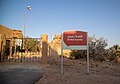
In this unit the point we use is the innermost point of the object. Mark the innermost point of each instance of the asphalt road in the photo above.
(19, 75)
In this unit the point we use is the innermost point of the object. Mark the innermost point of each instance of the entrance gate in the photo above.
(21, 50)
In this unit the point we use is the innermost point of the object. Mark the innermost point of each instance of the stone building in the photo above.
(8, 37)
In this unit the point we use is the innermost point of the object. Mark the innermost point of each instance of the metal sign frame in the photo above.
(85, 47)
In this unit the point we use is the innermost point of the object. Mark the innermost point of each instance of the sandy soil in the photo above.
(75, 73)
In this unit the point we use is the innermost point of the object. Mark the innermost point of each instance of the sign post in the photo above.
(62, 57)
(74, 40)
(88, 70)
(0, 45)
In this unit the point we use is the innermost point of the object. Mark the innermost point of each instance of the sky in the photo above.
(97, 17)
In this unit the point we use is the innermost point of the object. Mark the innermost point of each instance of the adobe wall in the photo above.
(10, 33)
(6, 32)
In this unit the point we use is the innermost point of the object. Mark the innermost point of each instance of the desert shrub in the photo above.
(114, 52)
(77, 54)
(97, 50)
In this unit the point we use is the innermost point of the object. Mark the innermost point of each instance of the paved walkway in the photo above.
(19, 73)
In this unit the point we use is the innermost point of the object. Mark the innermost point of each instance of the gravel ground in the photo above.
(75, 73)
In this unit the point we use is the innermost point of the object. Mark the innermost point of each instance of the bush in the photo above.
(77, 54)
(96, 50)
(114, 52)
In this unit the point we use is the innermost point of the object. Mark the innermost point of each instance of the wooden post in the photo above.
(44, 49)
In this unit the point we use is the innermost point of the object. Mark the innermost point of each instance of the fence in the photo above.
(21, 50)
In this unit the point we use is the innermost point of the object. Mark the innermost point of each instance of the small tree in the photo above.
(30, 44)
